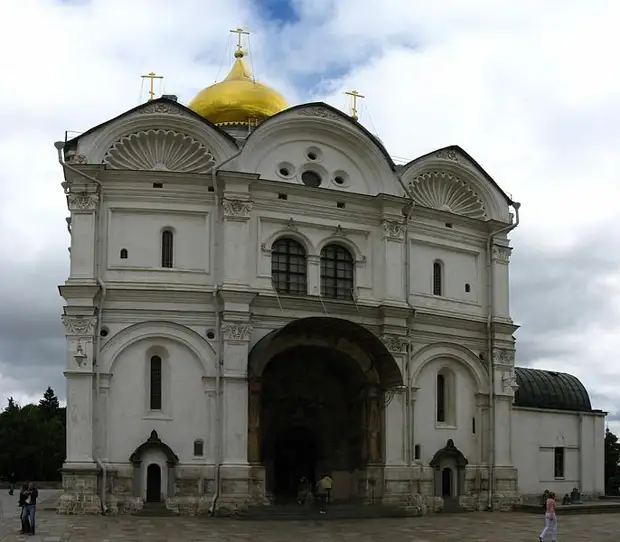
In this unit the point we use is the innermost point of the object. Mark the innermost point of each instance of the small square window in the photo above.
(198, 448)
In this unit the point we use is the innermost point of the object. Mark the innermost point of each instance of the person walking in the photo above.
(551, 519)
(23, 516)
(31, 495)
(321, 494)
(303, 490)
(328, 488)
(11, 483)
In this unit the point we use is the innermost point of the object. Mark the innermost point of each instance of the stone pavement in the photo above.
(478, 527)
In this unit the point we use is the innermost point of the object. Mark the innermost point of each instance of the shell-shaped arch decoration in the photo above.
(159, 150)
(446, 192)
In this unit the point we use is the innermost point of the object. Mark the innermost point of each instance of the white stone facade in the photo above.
(431, 283)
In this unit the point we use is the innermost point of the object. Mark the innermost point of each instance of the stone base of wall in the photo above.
(412, 489)
(79, 490)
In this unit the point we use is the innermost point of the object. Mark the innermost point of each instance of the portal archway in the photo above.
(316, 404)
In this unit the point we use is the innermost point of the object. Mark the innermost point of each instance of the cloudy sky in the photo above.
(530, 88)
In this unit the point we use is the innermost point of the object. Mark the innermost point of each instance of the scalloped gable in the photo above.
(326, 111)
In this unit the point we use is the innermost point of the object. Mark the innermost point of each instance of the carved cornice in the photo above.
(396, 344)
(318, 111)
(79, 325)
(236, 331)
(82, 202)
(501, 254)
(238, 209)
(394, 230)
(503, 356)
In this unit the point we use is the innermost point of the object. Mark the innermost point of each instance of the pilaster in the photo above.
(392, 240)
(83, 207)
(500, 260)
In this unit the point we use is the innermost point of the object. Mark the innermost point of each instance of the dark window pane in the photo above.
(155, 383)
(337, 276)
(441, 398)
(289, 267)
(167, 240)
(437, 279)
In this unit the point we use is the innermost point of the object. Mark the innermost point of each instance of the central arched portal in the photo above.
(316, 405)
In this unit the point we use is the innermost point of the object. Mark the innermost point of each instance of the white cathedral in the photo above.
(258, 293)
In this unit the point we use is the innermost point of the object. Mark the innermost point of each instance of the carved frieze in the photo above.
(446, 192)
(236, 331)
(503, 355)
(163, 108)
(501, 254)
(395, 343)
(394, 230)
(448, 154)
(237, 208)
(318, 111)
(159, 150)
(79, 325)
(82, 202)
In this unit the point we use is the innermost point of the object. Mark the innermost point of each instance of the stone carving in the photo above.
(395, 343)
(76, 159)
(394, 230)
(339, 231)
(318, 111)
(159, 150)
(510, 382)
(290, 225)
(448, 154)
(265, 249)
(79, 325)
(502, 355)
(80, 356)
(236, 332)
(237, 208)
(501, 254)
(82, 202)
(164, 108)
(445, 192)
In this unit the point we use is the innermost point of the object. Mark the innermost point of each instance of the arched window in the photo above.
(289, 267)
(167, 248)
(337, 279)
(155, 390)
(441, 398)
(124, 253)
(437, 278)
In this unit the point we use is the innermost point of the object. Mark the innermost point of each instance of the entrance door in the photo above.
(446, 482)
(295, 455)
(153, 483)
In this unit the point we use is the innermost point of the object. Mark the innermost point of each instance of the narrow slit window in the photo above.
(558, 462)
(437, 278)
(441, 398)
(167, 248)
(155, 399)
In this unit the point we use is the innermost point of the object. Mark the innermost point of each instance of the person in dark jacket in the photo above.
(11, 483)
(24, 515)
(31, 495)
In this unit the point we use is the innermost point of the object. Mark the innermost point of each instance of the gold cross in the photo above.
(240, 33)
(152, 77)
(355, 95)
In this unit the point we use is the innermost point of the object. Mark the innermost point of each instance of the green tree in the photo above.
(50, 403)
(612, 462)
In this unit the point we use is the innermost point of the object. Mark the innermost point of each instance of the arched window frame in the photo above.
(289, 266)
(155, 383)
(337, 272)
(438, 278)
(445, 400)
(167, 248)
(124, 254)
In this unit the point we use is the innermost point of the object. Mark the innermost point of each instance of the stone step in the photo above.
(311, 512)
(154, 510)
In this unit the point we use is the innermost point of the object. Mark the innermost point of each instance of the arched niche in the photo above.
(153, 443)
(449, 460)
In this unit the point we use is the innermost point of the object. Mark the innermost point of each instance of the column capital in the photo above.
(83, 326)
(393, 230)
(82, 202)
(237, 209)
(396, 344)
(237, 331)
(501, 254)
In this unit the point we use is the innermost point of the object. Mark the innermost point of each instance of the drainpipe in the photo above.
(218, 341)
(490, 305)
(59, 145)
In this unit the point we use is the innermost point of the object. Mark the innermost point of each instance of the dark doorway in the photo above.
(295, 455)
(153, 483)
(446, 482)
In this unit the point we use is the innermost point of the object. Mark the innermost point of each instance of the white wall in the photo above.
(185, 416)
(432, 435)
(535, 434)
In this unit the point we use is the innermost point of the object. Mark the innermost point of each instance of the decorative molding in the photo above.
(237, 208)
(79, 356)
(236, 332)
(80, 202)
(510, 382)
(290, 225)
(79, 325)
(159, 150)
(313, 258)
(501, 254)
(76, 159)
(339, 231)
(448, 154)
(394, 230)
(265, 249)
(163, 108)
(503, 355)
(445, 192)
(395, 343)
(318, 111)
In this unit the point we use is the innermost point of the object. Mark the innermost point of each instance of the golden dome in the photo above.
(238, 99)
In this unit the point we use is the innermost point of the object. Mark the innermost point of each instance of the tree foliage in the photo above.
(612, 463)
(32, 439)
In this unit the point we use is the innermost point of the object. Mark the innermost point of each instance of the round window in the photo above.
(339, 180)
(210, 335)
(311, 178)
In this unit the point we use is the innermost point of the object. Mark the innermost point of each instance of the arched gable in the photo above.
(161, 127)
(450, 180)
(199, 346)
(456, 352)
(292, 234)
(322, 139)
(154, 443)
